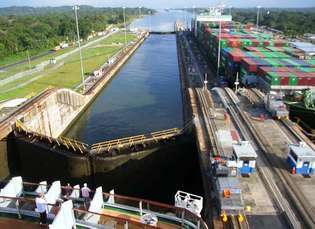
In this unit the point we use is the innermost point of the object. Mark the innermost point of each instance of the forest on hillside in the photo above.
(291, 21)
(36, 29)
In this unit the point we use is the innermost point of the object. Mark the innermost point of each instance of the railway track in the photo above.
(292, 130)
(206, 103)
(203, 96)
(264, 171)
(299, 212)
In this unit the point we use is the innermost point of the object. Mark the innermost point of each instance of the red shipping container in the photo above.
(234, 43)
(284, 80)
(249, 65)
(279, 43)
(312, 81)
(304, 81)
(283, 69)
(255, 42)
(266, 43)
(263, 70)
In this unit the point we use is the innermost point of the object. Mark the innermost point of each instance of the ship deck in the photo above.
(115, 213)
(7, 223)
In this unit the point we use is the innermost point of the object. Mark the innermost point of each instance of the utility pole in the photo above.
(186, 17)
(219, 49)
(125, 26)
(236, 83)
(257, 20)
(29, 59)
(205, 81)
(76, 8)
(150, 20)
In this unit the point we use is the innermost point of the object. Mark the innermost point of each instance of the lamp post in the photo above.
(257, 20)
(76, 8)
(219, 48)
(185, 13)
(150, 20)
(139, 11)
(125, 26)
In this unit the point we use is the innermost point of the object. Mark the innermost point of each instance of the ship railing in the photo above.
(25, 206)
(22, 206)
(181, 216)
(107, 220)
(139, 206)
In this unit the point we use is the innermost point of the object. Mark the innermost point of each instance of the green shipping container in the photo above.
(273, 78)
(293, 80)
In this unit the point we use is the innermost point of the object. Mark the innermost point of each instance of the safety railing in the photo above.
(107, 219)
(134, 140)
(67, 143)
(26, 207)
(177, 216)
(82, 148)
(118, 142)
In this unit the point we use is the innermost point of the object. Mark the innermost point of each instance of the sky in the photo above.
(158, 4)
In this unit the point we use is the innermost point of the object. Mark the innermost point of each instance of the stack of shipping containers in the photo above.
(259, 58)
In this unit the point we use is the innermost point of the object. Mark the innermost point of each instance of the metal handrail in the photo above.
(57, 207)
(144, 202)
(137, 138)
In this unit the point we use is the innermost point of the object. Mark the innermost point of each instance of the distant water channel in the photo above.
(143, 97)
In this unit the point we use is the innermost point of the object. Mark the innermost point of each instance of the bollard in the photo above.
(224, 217)
(240, 218)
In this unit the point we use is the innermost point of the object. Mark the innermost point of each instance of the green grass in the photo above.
(68, 75)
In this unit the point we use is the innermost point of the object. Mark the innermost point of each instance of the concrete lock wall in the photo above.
(52, 115)
(4, 169)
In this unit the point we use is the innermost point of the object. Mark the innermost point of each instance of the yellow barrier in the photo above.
(61, 141)
(117, 143)
(138, 139)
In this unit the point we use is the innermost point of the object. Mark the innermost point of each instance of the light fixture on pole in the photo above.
(150, 20)
(236, 83)
(76, 8)
(139, 11)
(257, 20)
(186, 22)
(205, 81)
(219, 48)
(124, 8)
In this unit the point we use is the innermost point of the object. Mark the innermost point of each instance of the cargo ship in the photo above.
(66, 209)
(258, 58)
